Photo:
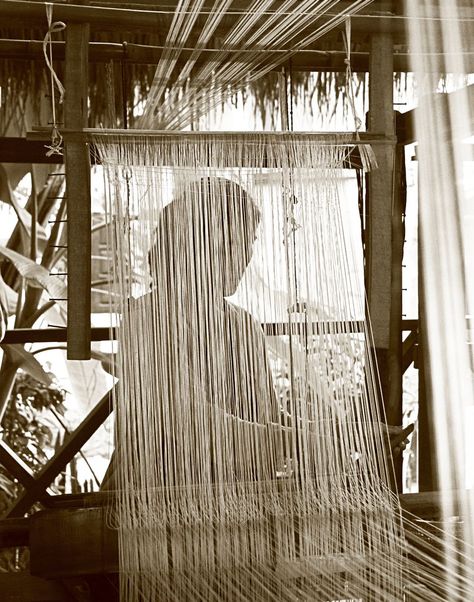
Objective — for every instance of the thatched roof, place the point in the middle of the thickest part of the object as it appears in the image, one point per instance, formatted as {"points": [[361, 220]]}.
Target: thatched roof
{"points": [[25, 79]]}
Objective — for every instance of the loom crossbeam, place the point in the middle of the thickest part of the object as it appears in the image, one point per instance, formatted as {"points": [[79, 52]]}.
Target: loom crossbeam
{"points": [[328, 138], [91, 548], [140, 54]]}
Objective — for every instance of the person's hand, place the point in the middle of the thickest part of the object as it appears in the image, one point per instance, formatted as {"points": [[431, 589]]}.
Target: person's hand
{"points": [[397, 438]]}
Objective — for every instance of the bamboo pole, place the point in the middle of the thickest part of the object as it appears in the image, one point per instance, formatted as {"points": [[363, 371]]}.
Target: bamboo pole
{"points": [[305, 59]]}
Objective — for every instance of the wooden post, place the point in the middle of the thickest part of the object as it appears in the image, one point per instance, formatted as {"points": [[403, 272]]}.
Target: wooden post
{"points": [[379, 206], [78, 195], [384, 236], [427, 471], [394, 401]]}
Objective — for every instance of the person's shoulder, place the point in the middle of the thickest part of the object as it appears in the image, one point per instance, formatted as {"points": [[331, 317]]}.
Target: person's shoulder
{"points": [[142, 303], [242, 316]]}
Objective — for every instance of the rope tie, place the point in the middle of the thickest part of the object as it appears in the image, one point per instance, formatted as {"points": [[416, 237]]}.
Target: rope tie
{"points": [[367, 155], [55, 148]]}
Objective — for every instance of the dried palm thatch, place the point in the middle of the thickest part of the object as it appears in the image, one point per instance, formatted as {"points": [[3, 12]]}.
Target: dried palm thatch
{"points": [[117, 87]]}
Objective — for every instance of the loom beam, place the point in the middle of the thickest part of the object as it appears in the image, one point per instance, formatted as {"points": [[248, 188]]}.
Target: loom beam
{"points": [[24, 150], [272, 329], [306, 60], [73, 548], [89, 134], [427, 506]]}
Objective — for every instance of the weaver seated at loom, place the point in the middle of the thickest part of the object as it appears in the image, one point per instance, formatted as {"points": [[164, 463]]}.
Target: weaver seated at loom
{"points": [[192, 276], [218, 355], [212, 351], [224, 494], [195, 522]]}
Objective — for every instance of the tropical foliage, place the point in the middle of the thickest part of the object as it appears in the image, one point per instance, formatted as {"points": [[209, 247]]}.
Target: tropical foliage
{"points": [[25, 428], [28, 433]]}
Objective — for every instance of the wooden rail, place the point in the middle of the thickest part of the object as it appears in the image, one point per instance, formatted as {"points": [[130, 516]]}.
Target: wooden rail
{"points": [[426, 506]]}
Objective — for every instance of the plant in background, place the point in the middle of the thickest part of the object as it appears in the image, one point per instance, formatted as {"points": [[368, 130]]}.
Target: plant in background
{"points": [[24, 426], [28, 433]]}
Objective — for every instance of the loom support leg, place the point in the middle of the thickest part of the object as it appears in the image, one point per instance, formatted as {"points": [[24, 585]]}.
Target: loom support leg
{"points": [[384, 235], [78, 195], [427, 473]]}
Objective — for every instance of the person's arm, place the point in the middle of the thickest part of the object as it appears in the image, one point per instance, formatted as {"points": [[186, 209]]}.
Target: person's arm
{"points": [[397, 438]]}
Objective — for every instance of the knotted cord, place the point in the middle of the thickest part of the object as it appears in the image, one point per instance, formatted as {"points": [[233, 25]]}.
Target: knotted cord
{"points": [[55, 148]]}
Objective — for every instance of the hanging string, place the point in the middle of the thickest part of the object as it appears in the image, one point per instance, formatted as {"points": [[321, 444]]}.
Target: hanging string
{"points": [[241, 503], [251, 496], [367, 155], [290, 96], [55, 148], [446, 235], [173, 103], [124, 83], [286, 87]]}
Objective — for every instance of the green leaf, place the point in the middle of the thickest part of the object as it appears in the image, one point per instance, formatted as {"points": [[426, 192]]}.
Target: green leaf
{"points": [[28, 363], [36, 274]]}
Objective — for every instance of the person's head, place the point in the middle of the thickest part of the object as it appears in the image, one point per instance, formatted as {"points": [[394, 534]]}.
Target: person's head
{"points": [[205, 236]]}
